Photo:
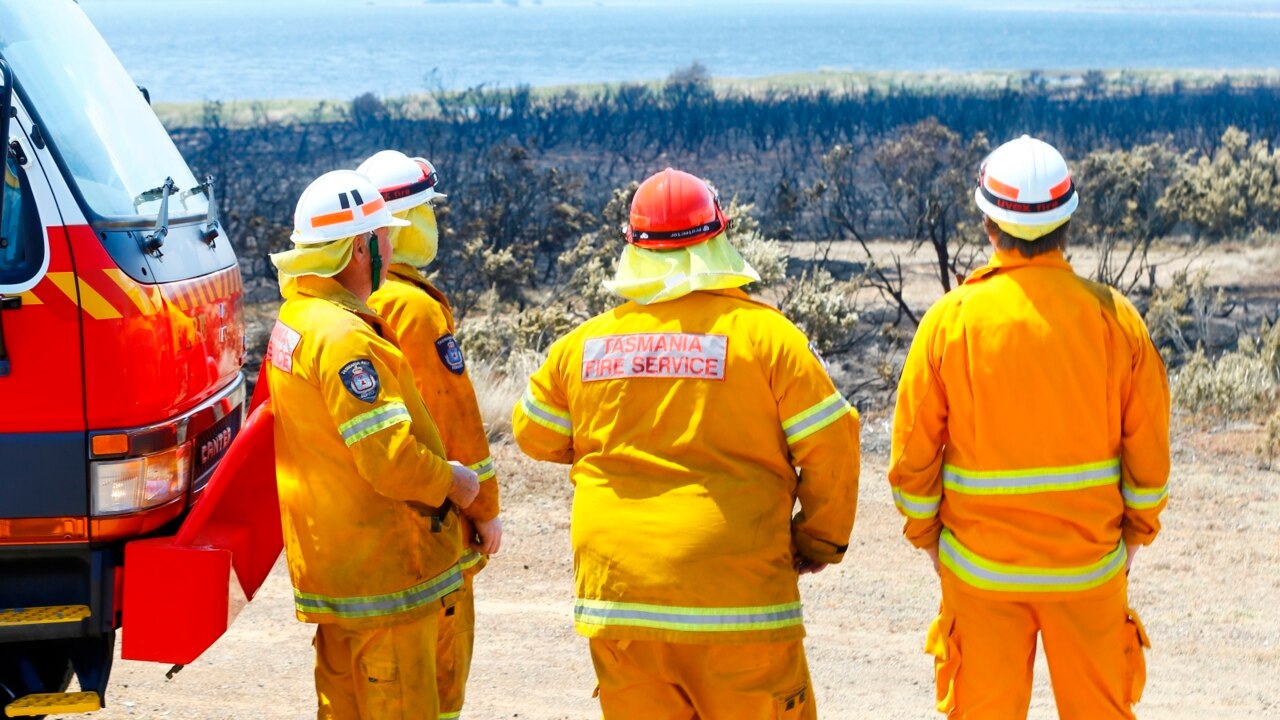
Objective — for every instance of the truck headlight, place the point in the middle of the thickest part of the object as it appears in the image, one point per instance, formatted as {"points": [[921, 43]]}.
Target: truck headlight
{"points": [[133, 484]]}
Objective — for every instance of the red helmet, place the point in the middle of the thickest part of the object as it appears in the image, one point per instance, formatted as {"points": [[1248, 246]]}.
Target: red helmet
{"points": [[674, 209]]}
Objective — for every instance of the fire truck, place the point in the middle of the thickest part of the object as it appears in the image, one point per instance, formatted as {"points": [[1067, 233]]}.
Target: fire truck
{"points": [[124, 451]]}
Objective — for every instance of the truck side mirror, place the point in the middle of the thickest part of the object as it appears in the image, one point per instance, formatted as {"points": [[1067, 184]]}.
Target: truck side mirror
{"points": [[146, 94]]}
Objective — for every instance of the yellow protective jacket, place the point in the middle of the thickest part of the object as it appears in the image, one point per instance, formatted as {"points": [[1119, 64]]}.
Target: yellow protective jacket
{"points": [[685, 422], [1031, 435], [359, 465], [420, 315]]}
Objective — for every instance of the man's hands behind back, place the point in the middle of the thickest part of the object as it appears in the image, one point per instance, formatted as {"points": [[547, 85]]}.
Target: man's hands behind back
{"points": [[466, 485]]}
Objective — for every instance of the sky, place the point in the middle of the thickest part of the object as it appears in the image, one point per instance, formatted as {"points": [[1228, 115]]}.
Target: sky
{"points": [[1154, 5]]}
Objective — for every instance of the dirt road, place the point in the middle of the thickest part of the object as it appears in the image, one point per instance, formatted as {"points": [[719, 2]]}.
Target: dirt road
{"points": [[1209, 592]]}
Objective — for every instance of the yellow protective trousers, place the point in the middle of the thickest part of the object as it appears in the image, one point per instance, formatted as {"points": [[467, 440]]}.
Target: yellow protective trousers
{"points": [[455, 641], [381, 674], [650, 680], [984, 652]]}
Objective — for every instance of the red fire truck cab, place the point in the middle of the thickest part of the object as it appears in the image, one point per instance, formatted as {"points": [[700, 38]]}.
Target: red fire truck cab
{"points": [[121, 345]]}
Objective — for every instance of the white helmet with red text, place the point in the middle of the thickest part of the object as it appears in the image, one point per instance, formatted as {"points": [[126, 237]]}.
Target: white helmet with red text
{"points": [[404, 182], [1026, 188]]}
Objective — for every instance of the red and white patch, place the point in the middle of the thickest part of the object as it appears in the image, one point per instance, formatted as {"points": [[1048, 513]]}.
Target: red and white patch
{"points": [[284, 340], [655, 355]]}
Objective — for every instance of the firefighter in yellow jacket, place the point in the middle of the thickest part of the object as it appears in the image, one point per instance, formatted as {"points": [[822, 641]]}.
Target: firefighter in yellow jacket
{"points": [[423, 321], [1030, 456], [685, 414], [364, 486]]}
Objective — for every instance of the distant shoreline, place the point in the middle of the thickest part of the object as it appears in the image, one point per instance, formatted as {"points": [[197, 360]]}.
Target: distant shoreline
{"points": [[238, 112], [1153, 9]]}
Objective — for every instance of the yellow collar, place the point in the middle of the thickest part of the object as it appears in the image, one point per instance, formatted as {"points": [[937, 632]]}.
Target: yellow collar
{"points": [[729, 292], [413, 276], [1010, 260], [331, 290], [408, 273]]}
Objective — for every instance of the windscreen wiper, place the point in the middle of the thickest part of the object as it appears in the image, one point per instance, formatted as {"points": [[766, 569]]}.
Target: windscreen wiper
{"points": [[155, 193], [153, 242], [211, 223]]}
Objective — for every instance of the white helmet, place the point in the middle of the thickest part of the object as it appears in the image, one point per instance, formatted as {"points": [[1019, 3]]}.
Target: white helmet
{"points": [[1026, 183], [405, 182], [337, 205]]}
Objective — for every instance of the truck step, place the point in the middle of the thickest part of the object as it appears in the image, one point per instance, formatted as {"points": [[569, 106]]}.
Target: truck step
{"points": [[54, 704], [43, 615]]}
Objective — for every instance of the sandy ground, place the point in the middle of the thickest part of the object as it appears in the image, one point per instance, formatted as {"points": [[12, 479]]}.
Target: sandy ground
{"points": [[1207, 590]]}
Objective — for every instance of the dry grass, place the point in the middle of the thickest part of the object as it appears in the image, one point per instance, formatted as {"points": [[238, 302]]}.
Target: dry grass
{"points": [[499, 383]]}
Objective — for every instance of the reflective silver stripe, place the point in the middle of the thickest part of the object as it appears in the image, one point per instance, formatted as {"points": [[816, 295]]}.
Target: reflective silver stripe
{"points": [[921, 508], [470, 559], [378, 605], [362, 426], [662, 617], [990, 575], [545, 416], [483, 469], [820, 415], [1143, 498], [1010, 482]]}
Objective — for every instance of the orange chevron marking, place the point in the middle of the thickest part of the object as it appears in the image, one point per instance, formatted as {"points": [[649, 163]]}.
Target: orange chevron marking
{"points": [[29, 298], [175, 296], [188, 295], [83, 294], [131, 288]]}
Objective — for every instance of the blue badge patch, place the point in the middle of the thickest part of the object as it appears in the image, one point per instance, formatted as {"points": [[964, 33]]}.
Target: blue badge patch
{"points": [[451, 354], [361, 380]]}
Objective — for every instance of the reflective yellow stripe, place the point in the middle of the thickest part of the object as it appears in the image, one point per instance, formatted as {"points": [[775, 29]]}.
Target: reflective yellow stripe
{"points": [[1143, 498], [1031, 480], [483, 469], [367, 606], [990, 575], [84, 295], [364, 425], [920, 507], [666, 617], [802, 425], [545, 415], [450, 715], [470, 559], [130, 288]]}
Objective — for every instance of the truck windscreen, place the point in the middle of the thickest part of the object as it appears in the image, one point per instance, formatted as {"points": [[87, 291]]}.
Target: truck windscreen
{"points": [[97, 120]]}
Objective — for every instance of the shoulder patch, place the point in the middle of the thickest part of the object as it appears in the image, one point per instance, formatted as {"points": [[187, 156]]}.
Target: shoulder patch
{"points": [[361, 380], [284, 340], [451, 354]]}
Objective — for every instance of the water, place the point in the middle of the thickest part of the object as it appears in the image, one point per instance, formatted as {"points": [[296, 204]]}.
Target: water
{"points": [[191, 50]]}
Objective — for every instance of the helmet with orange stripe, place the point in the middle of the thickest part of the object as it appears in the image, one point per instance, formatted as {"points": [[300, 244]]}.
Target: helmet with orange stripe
{"points": [[674, 209], [340, 204], [1026, 188]]}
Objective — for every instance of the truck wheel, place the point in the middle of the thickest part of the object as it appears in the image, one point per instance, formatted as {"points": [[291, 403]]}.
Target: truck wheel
{"points": [[29, 669]]}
